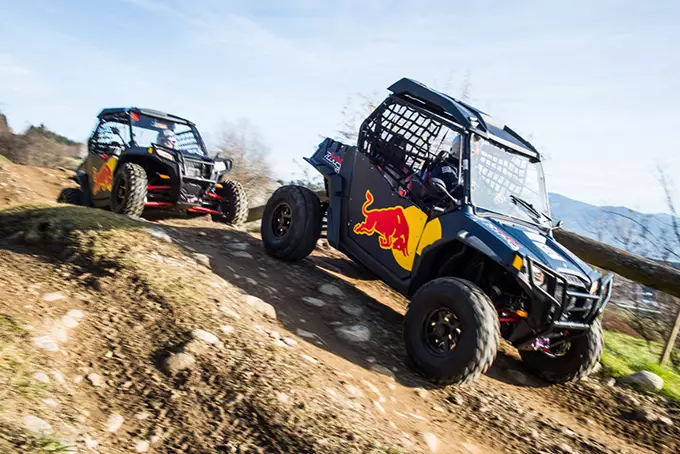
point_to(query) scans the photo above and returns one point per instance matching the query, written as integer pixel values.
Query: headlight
(539, 277)
(220, 166)
(166, 155)
(595, 287)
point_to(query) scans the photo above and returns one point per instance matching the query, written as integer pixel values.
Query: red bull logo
(390, 224)
(103, 177)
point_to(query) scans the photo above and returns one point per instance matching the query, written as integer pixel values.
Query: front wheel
(129, 190)
(234, 208)
(291, 223)
(570, 361)
(451, 331)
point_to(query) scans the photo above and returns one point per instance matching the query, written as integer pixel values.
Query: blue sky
(594, 84)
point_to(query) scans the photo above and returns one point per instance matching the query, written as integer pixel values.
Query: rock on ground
(76, 314)
(260, 306)
(54, 296)
(95, 379)
(352, 309)
(69, 322)
(289, 341)
(114, 422)
(238, 246)
(179, 362)
(430, 440)
(205, 336)
(306, 334)
(331, 290)
(37, 425)
(42, 377)
(158, 233)
(58, 333)
(142, 446)
(643, 381)
(316, 302)
(203, 259)
(227, 329)
(355, 333)
(45, 343)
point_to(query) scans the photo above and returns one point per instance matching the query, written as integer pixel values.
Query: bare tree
(674, 325)
(242, 142)
(355, 110)
(466, 86)
(305, 177)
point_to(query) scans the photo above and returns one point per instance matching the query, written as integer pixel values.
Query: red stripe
(152, 187)
(204, 210)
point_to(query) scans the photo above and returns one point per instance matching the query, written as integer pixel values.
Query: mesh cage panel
(395, 128)
(505, 176)
(187, 142)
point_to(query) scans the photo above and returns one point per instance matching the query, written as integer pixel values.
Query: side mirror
(559, 224)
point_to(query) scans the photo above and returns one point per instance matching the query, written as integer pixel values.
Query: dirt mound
(185, 337)
(27, 184)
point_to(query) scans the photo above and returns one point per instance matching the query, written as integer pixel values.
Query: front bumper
(570, 305)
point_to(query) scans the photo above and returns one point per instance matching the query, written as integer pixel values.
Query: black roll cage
(371, 143)
(124, 115)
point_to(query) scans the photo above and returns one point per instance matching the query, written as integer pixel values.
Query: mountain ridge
(648, 234)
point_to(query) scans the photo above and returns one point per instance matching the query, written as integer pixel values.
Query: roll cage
(405, 135)
(126, 115)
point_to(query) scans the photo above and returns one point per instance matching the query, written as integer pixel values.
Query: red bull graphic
(103, 177)
(390, 224)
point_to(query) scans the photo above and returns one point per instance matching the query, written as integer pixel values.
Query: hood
(540, 247)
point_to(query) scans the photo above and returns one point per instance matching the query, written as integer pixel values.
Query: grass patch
(37, 216)
(9, 325)
(4, 160)
(53, 446)
(624, 355)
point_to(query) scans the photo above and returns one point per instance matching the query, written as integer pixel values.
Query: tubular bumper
(570, 308)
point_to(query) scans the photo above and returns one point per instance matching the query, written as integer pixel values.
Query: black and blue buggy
(450, 208)
(143, 159)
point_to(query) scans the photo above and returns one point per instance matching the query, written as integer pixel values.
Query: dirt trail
(509, 409)
(290, 384)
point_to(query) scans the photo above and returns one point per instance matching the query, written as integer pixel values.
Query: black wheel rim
(441, 331)
(281, 220)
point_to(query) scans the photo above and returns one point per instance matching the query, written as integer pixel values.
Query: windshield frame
(544, 221)
(177, 121)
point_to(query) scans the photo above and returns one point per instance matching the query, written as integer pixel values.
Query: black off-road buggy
(140, 158)
(477, 258)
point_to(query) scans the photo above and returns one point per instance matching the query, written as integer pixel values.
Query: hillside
(640, 233)
(184, 336)
(38, 146)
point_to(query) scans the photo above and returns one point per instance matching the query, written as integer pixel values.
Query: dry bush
(38, 147)
(242, 142)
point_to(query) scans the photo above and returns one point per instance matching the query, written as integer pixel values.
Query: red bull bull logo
(390, 224)
(103, 177)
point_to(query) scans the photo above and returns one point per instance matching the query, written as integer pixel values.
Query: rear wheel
(129, 190)
(235, 206)
(569, 361)
(291, 223)
(73, 196)
(451, 331)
